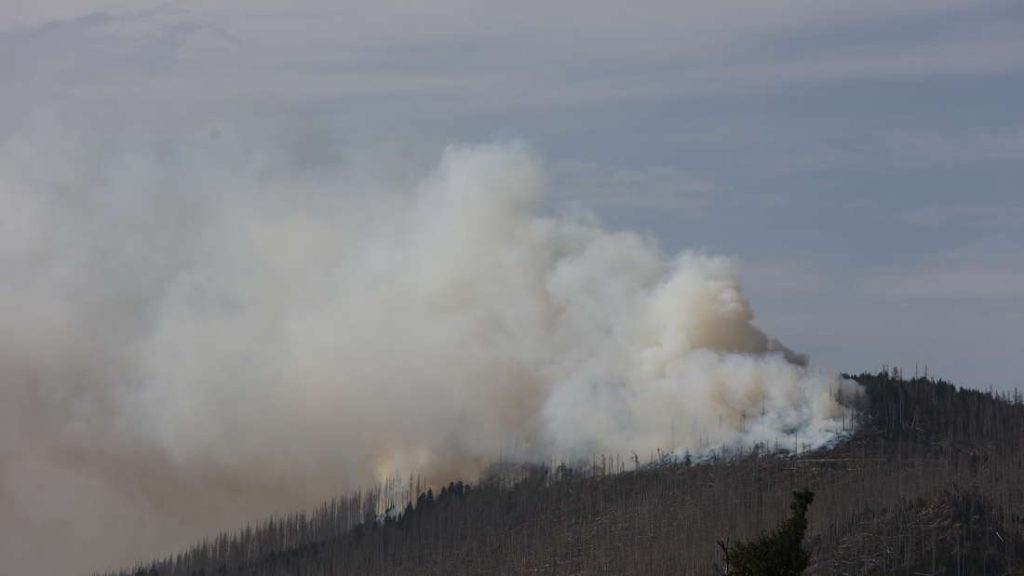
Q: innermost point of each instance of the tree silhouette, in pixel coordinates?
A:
(779, 553)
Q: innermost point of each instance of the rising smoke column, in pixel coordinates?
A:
(183, 347)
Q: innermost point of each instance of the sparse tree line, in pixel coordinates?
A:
(932, 483)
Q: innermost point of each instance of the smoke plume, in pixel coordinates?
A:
(191, 338)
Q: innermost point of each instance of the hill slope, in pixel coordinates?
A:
(932, 482)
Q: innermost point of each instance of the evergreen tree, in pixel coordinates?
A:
(778, 553)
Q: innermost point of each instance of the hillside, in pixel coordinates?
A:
(931, 482)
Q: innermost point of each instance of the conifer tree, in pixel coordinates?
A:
(778, 553)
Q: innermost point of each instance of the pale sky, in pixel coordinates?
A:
(168, 168)
(863, 160)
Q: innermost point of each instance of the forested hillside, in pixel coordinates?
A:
(931, 482)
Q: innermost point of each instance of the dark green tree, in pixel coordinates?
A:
(777, 553)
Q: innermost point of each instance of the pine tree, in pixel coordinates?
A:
(779, 553)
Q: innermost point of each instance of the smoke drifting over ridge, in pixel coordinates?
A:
(186, 345)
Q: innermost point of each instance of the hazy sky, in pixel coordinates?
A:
(863, 160)
(219, 219)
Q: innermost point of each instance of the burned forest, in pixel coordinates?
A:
(930, 480)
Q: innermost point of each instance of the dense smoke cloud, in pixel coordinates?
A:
(192, 337)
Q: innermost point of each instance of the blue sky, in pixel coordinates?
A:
(864, 161)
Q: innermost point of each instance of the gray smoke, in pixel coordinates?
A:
(192, 337)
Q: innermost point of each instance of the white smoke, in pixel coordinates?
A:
(190, 339)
